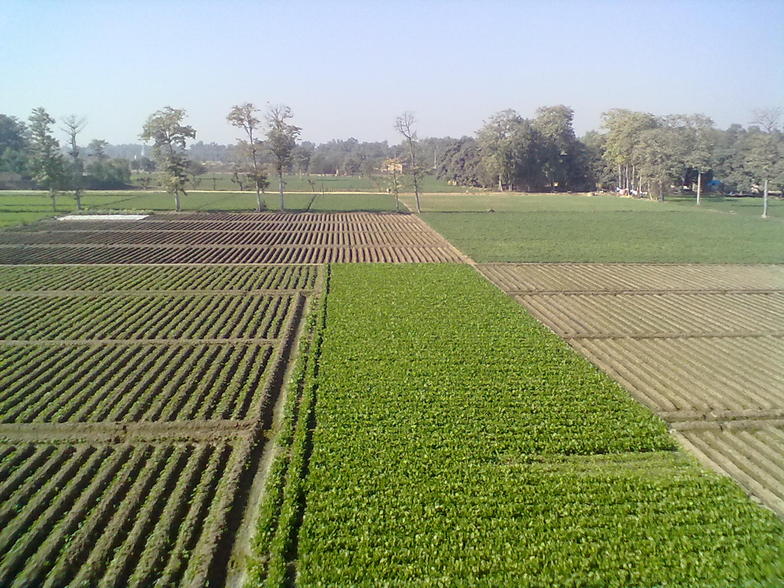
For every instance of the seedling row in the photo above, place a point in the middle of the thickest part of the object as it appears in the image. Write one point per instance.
(128, 383)
(143, 317)
(150, 278)
(124, 514)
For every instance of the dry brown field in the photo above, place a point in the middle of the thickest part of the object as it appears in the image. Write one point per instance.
(231, 238)
(701, 345)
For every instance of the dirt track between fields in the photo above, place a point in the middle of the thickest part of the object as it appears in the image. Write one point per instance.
(701, 345)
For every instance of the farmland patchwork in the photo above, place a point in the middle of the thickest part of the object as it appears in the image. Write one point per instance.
(199, 399)
(701, 345)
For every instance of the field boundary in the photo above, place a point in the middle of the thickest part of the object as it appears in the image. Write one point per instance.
(684, 340)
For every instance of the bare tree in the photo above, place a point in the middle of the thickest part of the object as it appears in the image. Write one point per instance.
(243, 117)
(767, 118)
(72, 126)
(281, 140)
(404, 124)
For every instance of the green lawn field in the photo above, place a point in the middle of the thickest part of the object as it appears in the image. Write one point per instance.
(562, 228)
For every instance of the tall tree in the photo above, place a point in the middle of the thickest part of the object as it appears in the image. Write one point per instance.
(764, 160)
(243, 116)
(404, 124)
(558, 152)
(494, 139)
(47, 161)
(166, 130)
(72, 126)
(624, 131)
(281, 140)
(97, 149)
(699, 146)
(14, 145)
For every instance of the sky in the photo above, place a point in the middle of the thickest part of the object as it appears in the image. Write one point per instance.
(347, 69)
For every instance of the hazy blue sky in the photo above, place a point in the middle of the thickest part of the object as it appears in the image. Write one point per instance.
(348, 68)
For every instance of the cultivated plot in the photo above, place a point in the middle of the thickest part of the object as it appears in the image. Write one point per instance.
(701, 345)
(134, 404)
(231, 238)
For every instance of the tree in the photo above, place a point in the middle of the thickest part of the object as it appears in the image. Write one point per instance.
(764, 161)
(243, 117)
(97, 149)
(699, 147)
(624, 131)
(658, 158)
(496, 146)
(559, 150)
(166, 130)
(461, 163)
(767, 119)
(72, 126)
(14, 147)
(281, 140)
(46, 161)
(404, 124)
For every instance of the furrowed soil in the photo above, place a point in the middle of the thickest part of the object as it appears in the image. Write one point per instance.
(701, 345)
(139, 402)
(299, 238)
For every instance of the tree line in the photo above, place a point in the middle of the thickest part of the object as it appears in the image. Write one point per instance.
(31, 156)
(635, 153)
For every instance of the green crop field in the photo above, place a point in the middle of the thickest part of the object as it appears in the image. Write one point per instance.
(445, 437)
(549, 228)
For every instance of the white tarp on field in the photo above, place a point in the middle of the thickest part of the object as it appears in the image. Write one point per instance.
(102, 217)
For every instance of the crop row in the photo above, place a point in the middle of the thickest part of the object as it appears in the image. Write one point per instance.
(651, 314)
(457, 440)
(158, 278)
(131, 515)
(217, 237)
(696, 374)
(53, 254)
(142, 317)
(273, 221)
(89, 383)
(620, 277)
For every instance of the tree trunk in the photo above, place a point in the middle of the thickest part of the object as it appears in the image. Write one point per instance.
(53, 197)
(177, 200)
(280, 190)
(258, 198)
(416, 193)
(500, 185)
(78, 199)
(620, 183)
(699, 186)
(765, 200)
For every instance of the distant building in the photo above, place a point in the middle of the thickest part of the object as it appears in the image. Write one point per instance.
(391, 166)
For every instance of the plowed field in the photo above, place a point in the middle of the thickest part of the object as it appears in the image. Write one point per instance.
(702, 345)
(220, 238)
(134, 405)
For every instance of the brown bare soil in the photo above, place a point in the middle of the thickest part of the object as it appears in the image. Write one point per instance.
(231, 239)
(701, 345)
(131, 438)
